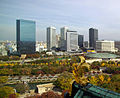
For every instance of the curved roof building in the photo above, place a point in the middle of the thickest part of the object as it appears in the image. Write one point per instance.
(103, 55)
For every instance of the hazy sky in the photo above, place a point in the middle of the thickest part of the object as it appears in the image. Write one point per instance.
(78, 15)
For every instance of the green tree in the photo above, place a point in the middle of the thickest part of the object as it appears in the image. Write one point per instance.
(3, 79)
(6, 91)
(4, 58)
(4, 71)
(115, 83)
(46, 69)
(21, 88)
(111, 63)
(96, 63)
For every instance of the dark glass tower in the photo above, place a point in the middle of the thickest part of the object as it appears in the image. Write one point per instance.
(26, 36)
(80, 40)
(93, 37)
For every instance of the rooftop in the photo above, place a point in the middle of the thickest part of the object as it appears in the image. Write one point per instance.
(102, 55)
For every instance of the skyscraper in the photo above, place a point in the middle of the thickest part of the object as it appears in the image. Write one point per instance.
(93, 37)
(80, 40)
(51, 38)
(72, 41)
(58, 40)
(26, 36)
(63, 32)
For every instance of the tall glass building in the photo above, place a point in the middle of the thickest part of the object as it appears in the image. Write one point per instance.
(26, 36)
(80, 40)
(93, 37)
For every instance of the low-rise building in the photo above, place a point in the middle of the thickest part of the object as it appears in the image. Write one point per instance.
(44, 88)
(105, 46)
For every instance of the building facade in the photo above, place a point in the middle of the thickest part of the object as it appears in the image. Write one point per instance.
(80, 40)
(93, 37)
(26, 36)
(63, 32)
(105, 46)
(51, 38)
(72, 41)
(58, 40)
(86, 44)
(117, 45)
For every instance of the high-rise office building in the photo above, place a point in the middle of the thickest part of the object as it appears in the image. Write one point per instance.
(63, 32)
(93, 37)
(72, 41)
(58, 40)
(80, 40)
(117, 45)
(26, 36)
(51, 38)
(86, 44)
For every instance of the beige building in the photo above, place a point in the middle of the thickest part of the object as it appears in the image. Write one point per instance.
(57, 40)
(106, 46)
(45, 87)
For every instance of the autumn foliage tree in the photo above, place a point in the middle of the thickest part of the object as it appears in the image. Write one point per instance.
(6, 91)
(64, 81)
(49, 94)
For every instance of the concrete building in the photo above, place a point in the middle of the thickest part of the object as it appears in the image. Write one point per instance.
(3, 50)
(44, 88)
(117, 45)
(72, 41)
(105, 46)
(86, 44)
(26, 36)
(80, 40)
(93, 37)
(7, 47)
(58, 41)
(63, 32)
(51, 38)
(41, 46)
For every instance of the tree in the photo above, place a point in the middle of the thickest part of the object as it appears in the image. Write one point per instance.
(115, 83)
(3, 79)
(100, 80)
(5, 71)
(104, 64)
(6, 91)
(25, 71)
(4, 58)
(46, 69)
(96, 63)
(21, 88)
(64, 80)
(49, 94)
(111, 63)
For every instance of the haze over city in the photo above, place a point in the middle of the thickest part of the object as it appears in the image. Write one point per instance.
(79, 15)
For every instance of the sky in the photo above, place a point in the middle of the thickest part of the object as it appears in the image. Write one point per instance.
(79, 15)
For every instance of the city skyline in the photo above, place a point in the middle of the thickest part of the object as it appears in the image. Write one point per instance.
(78, 15)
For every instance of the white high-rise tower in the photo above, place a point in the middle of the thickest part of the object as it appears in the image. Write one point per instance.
(63, 32)
(51, 38)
